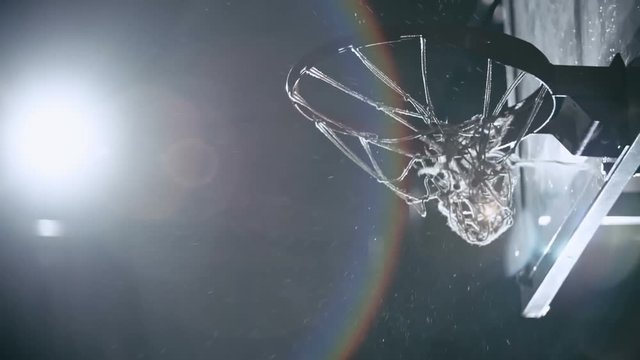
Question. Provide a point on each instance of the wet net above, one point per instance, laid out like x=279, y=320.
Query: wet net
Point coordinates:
x=467, y=167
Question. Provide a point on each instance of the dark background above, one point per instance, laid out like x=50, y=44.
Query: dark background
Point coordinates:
x=272, y=256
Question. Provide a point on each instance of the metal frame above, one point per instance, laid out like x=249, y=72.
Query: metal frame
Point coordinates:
x=574, y=236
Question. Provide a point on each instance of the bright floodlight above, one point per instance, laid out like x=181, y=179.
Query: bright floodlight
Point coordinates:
x=54, y=132
x=55, y=137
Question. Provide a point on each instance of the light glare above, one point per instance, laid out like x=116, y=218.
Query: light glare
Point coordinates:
x=544, y=220
x=49, y=228
x=55, y=134
x=54, y=140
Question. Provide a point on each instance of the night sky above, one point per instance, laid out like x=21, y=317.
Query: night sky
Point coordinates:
x=224, y=226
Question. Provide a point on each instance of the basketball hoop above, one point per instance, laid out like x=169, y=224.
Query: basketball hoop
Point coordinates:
x=465, y=166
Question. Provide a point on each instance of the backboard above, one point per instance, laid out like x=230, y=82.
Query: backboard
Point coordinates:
x=560, y=207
